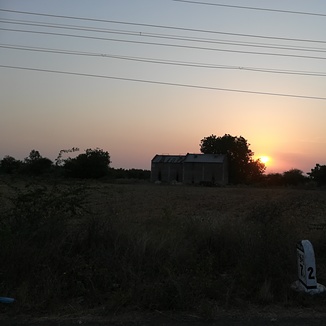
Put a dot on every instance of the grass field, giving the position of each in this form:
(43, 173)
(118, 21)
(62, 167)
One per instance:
(75, 245)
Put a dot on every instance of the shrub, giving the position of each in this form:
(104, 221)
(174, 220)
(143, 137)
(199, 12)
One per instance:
(34, 236)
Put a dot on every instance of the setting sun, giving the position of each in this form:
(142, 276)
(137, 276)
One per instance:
(264, 159)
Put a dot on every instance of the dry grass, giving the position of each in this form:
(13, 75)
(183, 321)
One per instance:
(151, 246)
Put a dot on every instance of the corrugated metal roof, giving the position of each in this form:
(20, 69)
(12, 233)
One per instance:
(168, 159)
(204, 158)
(189, 158)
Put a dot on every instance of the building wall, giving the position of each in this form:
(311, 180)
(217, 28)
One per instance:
(167, 172)
(204, 172)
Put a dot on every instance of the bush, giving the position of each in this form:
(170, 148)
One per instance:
(35, 241)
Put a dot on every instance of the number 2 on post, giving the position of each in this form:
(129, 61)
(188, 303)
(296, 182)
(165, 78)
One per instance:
(310, 275)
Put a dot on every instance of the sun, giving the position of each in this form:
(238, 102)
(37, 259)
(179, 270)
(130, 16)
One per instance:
(264, 159)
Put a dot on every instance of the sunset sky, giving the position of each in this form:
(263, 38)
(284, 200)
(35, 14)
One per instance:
(143, 77)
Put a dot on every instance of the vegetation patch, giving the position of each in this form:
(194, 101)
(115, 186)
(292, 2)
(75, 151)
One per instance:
(80, 245)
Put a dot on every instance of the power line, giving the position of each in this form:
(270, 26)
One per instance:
(285, 72)
(253, 8)
(166, 83)
(164, 36)
(163, 26)
(165, 62)
(166, 44)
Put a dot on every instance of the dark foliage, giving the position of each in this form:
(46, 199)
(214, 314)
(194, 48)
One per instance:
(10, 165)
(35, 164)
(294, 177)
(59, 252)
(318, 174)
(130, 174)
(274, 179)
(242, 167)
(94, 163)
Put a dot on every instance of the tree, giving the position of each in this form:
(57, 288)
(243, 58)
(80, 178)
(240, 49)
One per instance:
(33, 156)
(9, 164)
(293, 177)
(59, 160)
(94, 163)
(318, 174)
(35, 164)
(256, 169)
(242, 167)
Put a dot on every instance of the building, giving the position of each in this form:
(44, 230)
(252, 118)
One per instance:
(190, 169)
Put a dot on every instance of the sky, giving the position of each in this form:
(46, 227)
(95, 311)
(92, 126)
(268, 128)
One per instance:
(138, 78)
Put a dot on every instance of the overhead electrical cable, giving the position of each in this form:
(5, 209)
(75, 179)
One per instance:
(166, 44)
(252, 8)
(163, 61)
(165, 83)
(285, 72)
(162, 26)
(169, 37)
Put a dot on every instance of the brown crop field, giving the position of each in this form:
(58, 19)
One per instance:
(75, 245)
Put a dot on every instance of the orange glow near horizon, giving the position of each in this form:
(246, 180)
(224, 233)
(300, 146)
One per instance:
(169, 102)
(267, 161)
(264, 159)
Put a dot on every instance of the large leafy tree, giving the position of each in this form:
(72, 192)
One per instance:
(94, 163)
(318, 174)
(242, 167)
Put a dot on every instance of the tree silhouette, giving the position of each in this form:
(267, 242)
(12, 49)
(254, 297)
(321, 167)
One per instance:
(293, 177)
(318, 174)
(242, 167)
(35, 164)
(274, 179)
(10, 165)
(94, 163)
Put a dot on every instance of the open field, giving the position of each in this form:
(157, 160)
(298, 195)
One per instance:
(74, 246)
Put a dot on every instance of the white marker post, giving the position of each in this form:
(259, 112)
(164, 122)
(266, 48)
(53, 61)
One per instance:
(306, 265)
(307, 269)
